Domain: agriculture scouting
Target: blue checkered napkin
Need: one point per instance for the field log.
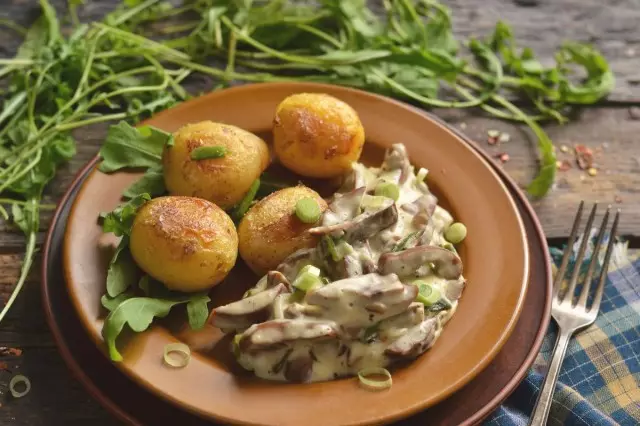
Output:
(599, 382)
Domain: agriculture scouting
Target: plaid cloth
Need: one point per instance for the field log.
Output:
(599, 383)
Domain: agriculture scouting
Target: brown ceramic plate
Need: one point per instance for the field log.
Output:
(210, 387)
(136, 406)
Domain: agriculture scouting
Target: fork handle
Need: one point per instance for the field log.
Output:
(543, 404)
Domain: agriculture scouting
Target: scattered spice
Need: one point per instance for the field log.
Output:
(617, 199)
(605, 145)
(493, 134)
(564, 148)
(563, 165)
(584, 156)
(592, 171)
(463, 125)
(630, 52)
(504, 138)
(6, 351)
(634, 113)
(503, 157)
(4, 366)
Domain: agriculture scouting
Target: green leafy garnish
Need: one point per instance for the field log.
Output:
(198, 312)
(110, 303)
(120, 220)
(122, 272)
(130, 147)
(138, 313)
(152, 183)
(208, 152)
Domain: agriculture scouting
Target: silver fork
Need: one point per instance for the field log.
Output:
(570, 315)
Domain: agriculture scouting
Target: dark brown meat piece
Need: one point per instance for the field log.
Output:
(276, 334)
(246, 312)
(362, 226)
(407, 262)
(417, 340)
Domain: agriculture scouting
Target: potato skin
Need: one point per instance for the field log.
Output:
(317, 135)
(187, 243)
(271, 231)
(223, 181)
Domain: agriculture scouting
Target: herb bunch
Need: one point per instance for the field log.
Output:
(136, 61)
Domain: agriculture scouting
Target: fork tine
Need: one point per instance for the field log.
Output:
(605, 265)
(567, 252)
(568, 296)
(584, 295)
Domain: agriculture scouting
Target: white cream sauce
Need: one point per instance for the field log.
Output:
(361, 318)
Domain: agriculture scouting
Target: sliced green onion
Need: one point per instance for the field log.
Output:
(180, 361)
(15, 381)
(450, 247)
(427, 294)
(422, 174)
(455, 233)
(236, 344)
(343, 249)
(331, 248)
(307, 281)
(374, 384)
(207, 152)
(373, 202)
(402, 244)
(310, 269)
(389, 190)
(308, 210)
(171, 141)
(244, 205)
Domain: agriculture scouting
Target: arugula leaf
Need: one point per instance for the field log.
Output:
(138, 313)
(198, 311)
(152, 183)
(24, 217)
(49, 13)
(599, 81)
(130, 147)
(111, 303)
(120, 220)
(122, 270)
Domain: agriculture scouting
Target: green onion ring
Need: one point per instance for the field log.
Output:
(372, 384)
(182, 349)
(15, 380)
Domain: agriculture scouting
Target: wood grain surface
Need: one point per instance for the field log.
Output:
(609, 129)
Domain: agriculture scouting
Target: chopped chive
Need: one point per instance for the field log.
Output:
(208, 152)
(389, 190)
(308, 210)
(244, 205)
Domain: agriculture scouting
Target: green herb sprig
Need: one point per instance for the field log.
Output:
(136, 61)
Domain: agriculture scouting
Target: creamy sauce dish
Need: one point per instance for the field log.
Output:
(379, 287)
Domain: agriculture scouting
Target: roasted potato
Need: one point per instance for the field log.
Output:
(271, 231)
(317, 135)
(187, 243)
(224, 180)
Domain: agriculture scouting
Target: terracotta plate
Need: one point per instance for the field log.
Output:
(495, 257)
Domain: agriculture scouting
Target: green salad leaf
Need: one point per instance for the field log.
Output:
(138, 313)
(123, 271)
(111, 303)
(198, 312)
(131, 147)
(120, 220)
(152, 183)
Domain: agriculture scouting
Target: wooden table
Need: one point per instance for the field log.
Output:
(57, 399)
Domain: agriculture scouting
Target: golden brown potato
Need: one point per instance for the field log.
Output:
(223, 181)
(189, 244)
(271, 231)
(317, 135)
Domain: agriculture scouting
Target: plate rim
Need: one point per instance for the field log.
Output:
(408, 410)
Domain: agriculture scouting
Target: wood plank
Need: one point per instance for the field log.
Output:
(613, 29)
(56, 398)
